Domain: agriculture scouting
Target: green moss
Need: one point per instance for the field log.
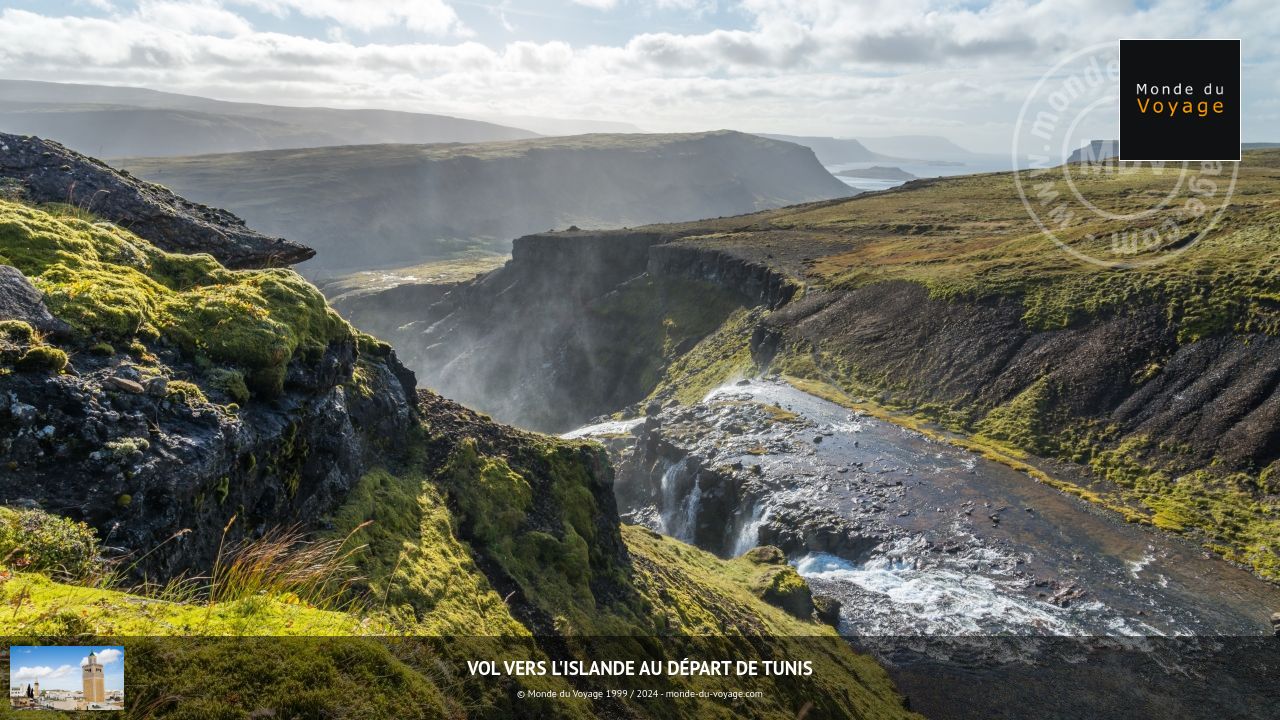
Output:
(492, 497)
(102, 349)
(414, 565)
(1023, 420)
(111, 285)
(231, 382)
(18, 331)
(37, 541)
(783, 587)
(370, 345)
(42, 358)
(35, 605)
(185, 392)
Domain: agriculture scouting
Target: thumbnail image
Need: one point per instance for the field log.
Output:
(66, 677)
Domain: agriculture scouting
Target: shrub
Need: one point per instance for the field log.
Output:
(42, 358)
(38, 541)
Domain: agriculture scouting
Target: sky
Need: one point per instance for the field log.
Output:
(840, 68)
(58, 668)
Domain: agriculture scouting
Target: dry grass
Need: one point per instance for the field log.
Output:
(284, 563)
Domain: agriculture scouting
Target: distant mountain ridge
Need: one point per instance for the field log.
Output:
(830, 150)
(921, 147)
(379, 206)
(107, 121)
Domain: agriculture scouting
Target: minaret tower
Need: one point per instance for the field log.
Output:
(93, 680)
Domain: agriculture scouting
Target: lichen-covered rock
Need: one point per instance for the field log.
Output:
(45, 172)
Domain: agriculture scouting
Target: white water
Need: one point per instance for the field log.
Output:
(670, 501)
(689, 517)
(612, 427)
(936, 601)
(749, 535)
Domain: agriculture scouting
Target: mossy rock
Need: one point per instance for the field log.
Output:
(766, 555)
(184, 391)
(112, 286)
(42, 358)
(784, 588)
(230, 382)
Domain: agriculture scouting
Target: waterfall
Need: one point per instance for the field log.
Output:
(670, 491)
(749, 534)
(688, 528)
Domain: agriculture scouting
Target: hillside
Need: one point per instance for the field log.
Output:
(1150, 391)
(202, 452)
(108, 121)
(365, 207)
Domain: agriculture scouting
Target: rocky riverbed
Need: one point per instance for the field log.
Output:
(984, 593)
(913, 536)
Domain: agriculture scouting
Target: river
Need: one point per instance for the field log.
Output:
(934, 543)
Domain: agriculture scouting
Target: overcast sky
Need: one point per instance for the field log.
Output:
(823, 67)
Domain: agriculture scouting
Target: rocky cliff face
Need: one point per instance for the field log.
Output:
(577, 323)
(155, 395)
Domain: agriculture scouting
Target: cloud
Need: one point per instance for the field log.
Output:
(192, 16)
(426, 16)
(42, 673)
(105, 656)
(597, 4)
(801, 66)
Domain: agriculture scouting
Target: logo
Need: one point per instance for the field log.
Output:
(1096, 207)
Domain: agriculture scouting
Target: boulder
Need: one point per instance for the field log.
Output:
(20, 300)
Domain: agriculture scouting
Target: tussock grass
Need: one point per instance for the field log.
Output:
(285, 563)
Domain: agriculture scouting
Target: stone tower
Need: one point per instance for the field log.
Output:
(93, 679)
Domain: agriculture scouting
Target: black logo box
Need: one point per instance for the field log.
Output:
(1183, 65)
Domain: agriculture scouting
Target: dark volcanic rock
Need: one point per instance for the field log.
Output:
(48, 172)
(20, 300)
(143, 467)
